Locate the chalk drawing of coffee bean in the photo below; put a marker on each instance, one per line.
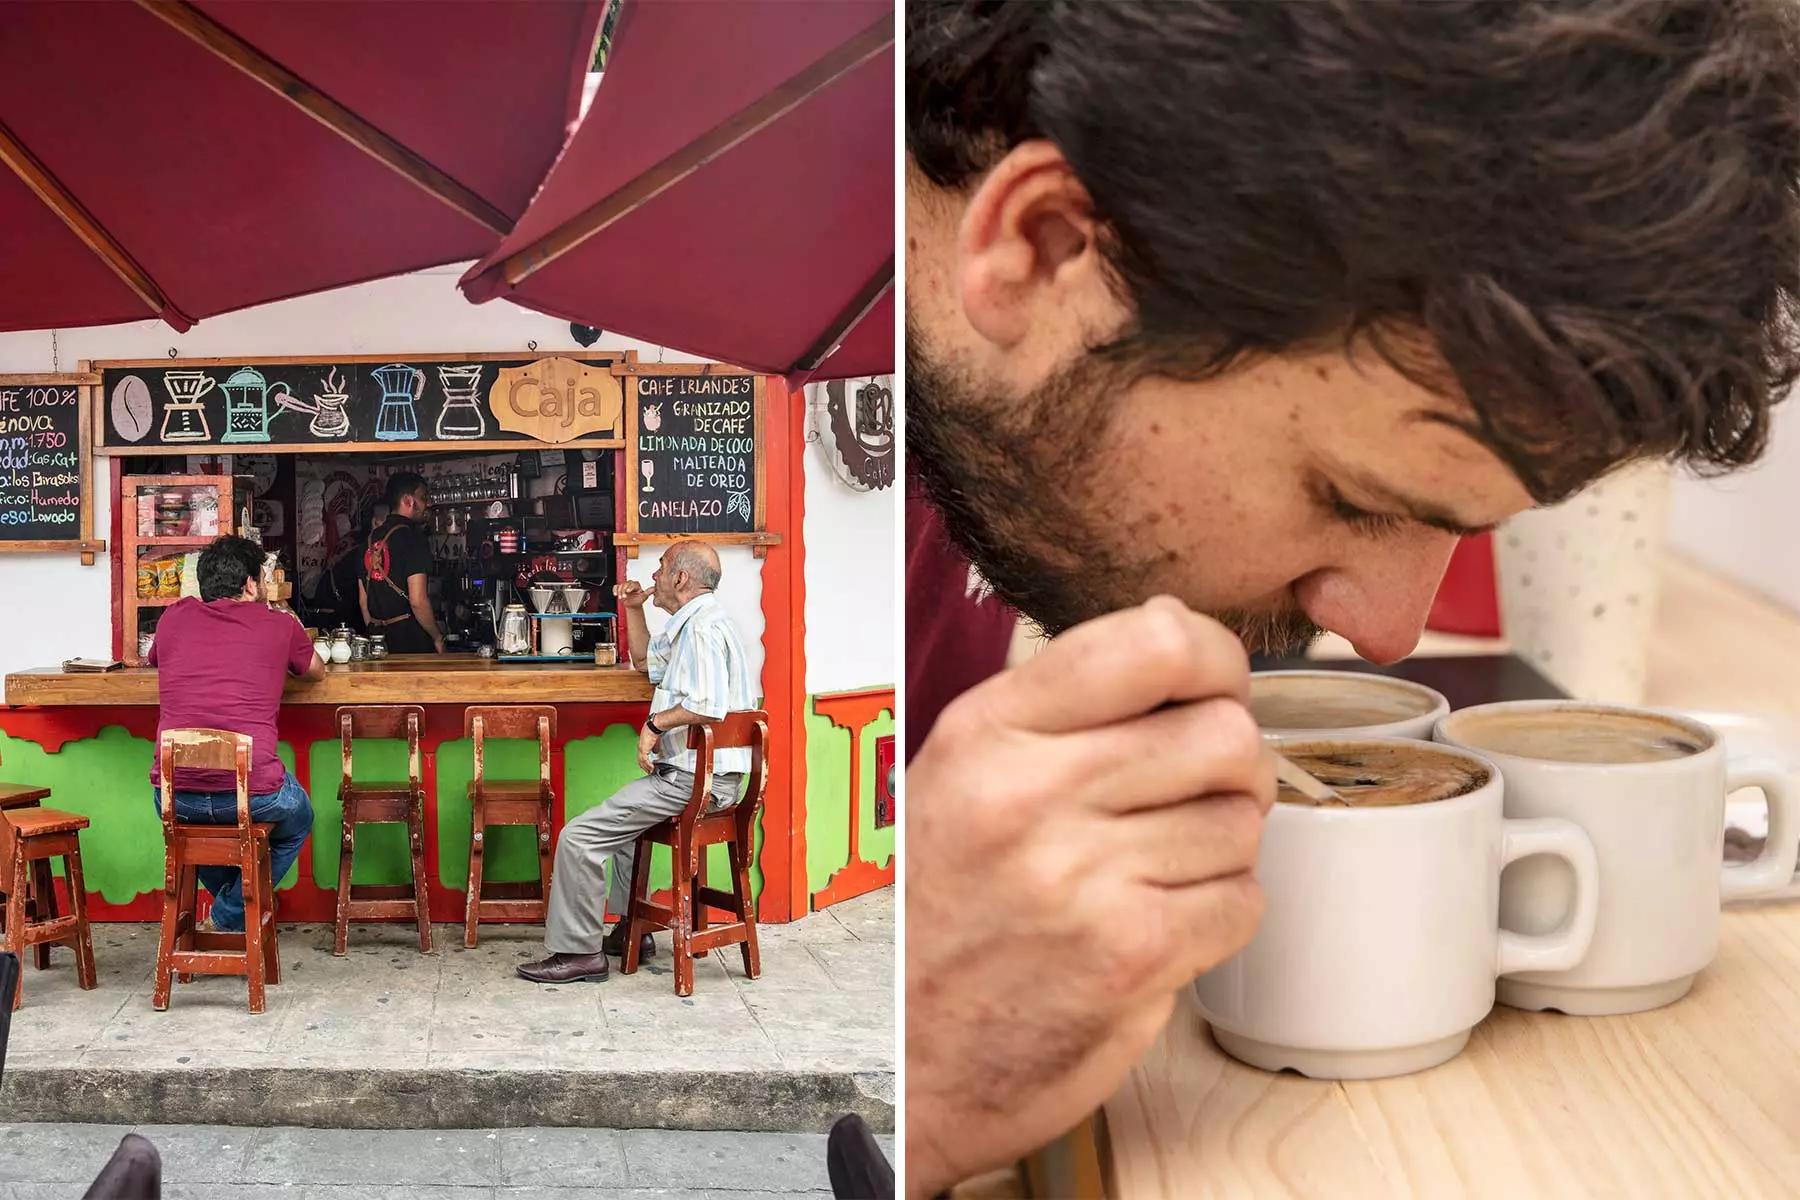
(131, 408)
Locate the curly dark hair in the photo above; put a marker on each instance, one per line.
(226, 565)
(1582, 215)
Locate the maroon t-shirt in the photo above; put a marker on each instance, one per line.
(221, 665)
(957, 633)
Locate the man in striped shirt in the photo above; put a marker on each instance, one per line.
(701, 673)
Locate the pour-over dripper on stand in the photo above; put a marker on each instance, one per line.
(555, 604)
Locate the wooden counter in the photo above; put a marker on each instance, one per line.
(1701, 1098)
(397, 679)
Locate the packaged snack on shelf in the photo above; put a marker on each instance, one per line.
(169, 587)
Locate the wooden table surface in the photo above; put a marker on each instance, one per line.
(397, 679)
(1701, 1098)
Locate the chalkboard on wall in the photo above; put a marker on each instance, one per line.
(358, 403)
(698, 443)
(45, 496)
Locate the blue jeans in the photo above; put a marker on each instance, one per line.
(287, 809)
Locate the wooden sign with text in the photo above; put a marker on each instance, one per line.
(558, 399)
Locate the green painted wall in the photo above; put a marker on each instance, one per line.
(106, 779)
(828, 785)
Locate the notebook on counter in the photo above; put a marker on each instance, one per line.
(90, 666)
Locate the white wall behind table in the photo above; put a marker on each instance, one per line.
(1746, 526)
(53, 608)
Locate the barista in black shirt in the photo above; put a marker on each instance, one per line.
(396, 574)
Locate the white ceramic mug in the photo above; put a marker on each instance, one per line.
(1658, 829)
(1348, 689)
(1381, 941)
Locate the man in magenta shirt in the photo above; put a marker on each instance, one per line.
(221, 663)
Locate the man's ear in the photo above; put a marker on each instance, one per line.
(1027, 245)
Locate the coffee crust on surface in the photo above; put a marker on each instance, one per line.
(1383, 776)
(1580, 735)
(1311, 702)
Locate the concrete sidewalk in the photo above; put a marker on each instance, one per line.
(56, 1162)
(387, 1038)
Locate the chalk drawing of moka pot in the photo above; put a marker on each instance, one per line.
(401, 387)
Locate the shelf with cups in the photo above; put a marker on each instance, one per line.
(202, 506)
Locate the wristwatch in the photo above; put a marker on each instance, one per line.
(653, 727)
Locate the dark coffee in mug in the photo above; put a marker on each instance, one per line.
(1574, 734)
(1376, 775)
(1338, 700)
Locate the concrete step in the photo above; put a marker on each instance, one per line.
(387, 1038)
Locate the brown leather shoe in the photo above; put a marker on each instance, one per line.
(566, 968)
(615, 944)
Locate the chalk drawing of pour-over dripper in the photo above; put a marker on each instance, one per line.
(398, 418)
(462, 418)
(184, 416)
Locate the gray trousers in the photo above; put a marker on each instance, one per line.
(607, 833)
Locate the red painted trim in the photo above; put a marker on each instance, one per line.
(783, 859)
(854, 711)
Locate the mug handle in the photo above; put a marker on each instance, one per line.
(1566, 947)
(1773, 869)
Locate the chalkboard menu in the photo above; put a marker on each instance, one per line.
(697, 441)
(406, 403)
(41, 495)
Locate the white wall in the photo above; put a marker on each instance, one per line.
(740, 591)
(851, 589)
(52, 608)
(1746, 526)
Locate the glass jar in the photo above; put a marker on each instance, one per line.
(359, 648)
(340, 644)
(378, 645)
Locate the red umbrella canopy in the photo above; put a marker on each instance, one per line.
(729, 193)
(183, 159)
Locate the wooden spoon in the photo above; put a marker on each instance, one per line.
(1297, 777)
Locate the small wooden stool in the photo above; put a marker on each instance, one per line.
(34, 835)
(42, 892)
(368, 804)
(687, 836)
(508, 802)
(182, 946)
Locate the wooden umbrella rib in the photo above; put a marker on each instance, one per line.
(186, 19)
(734, 130)
(58, 199)
(865, 299)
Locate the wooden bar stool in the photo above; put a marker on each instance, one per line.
(368, 804)
(42, 892)
(508, 802)
(183, 947)
(688, 835)
(30, 837)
